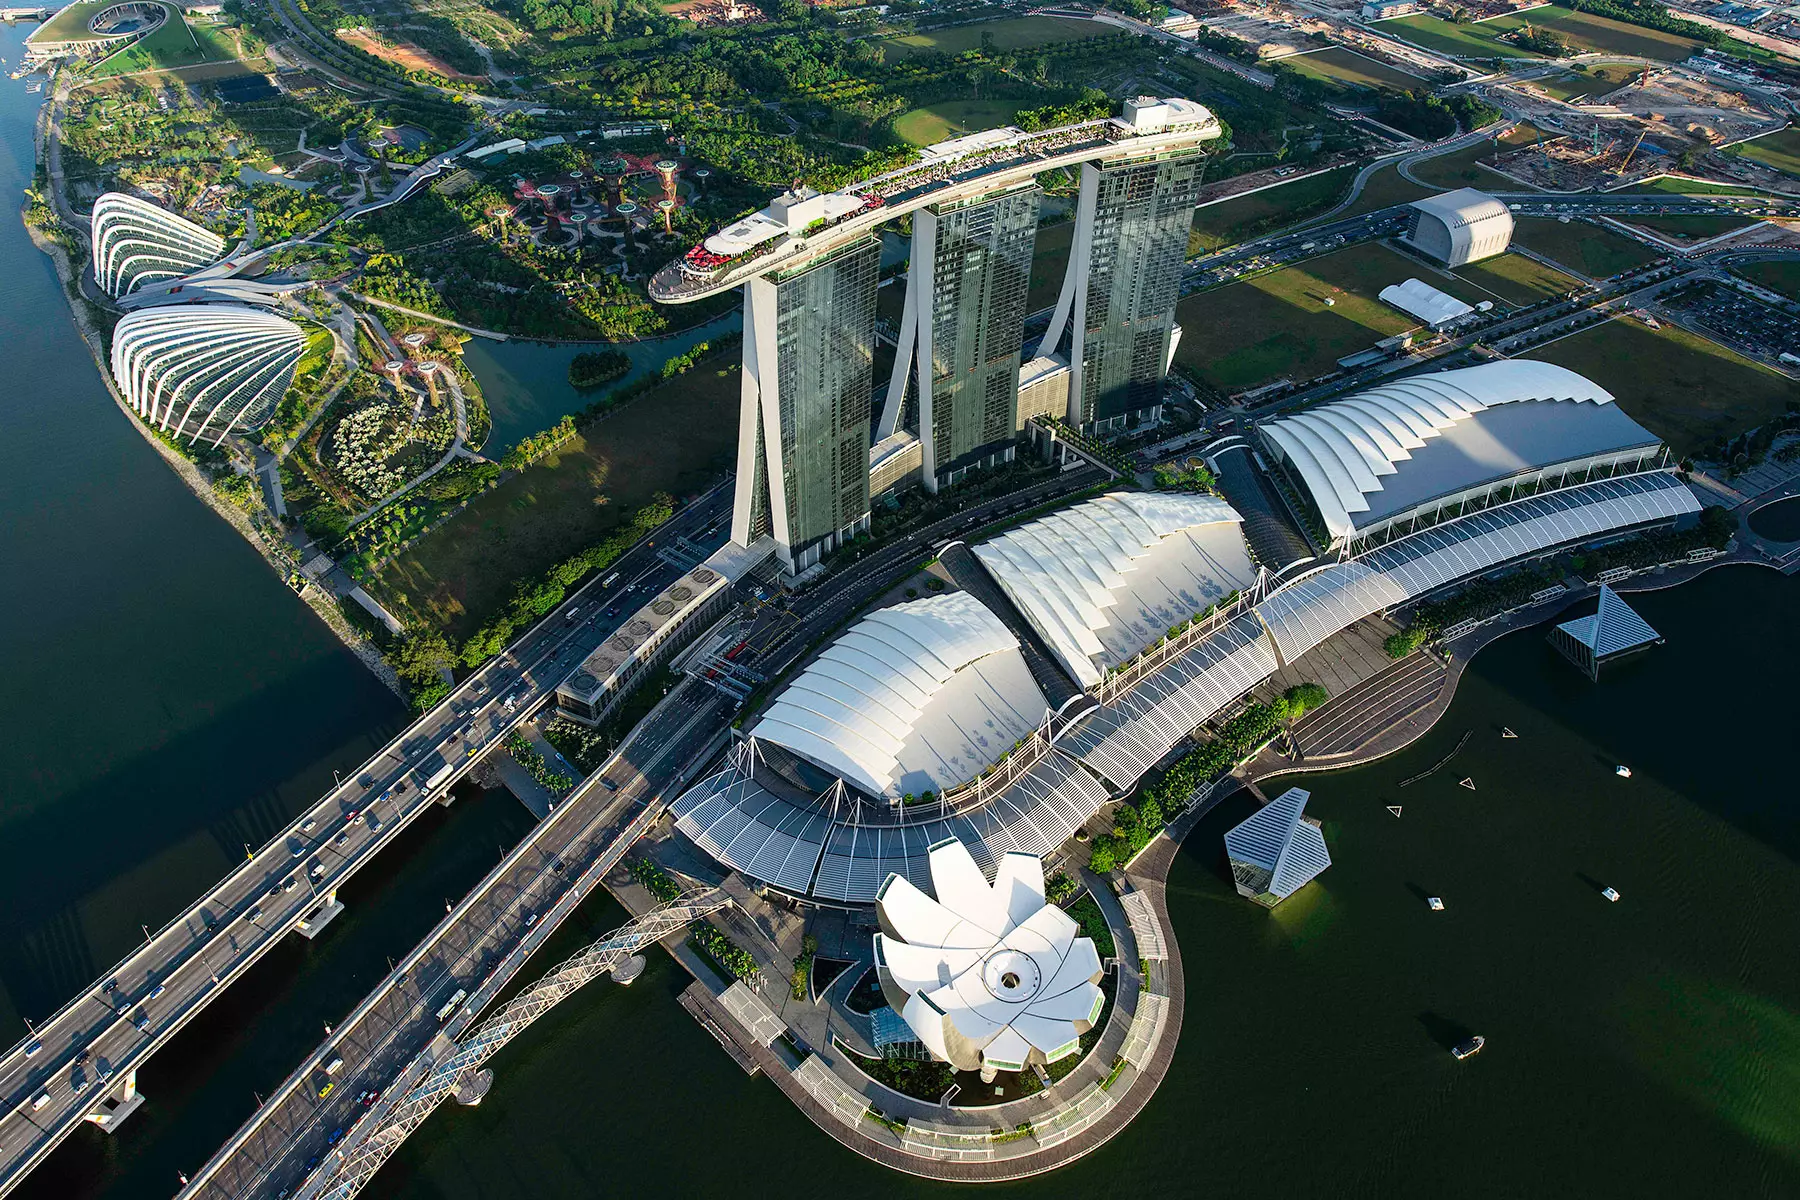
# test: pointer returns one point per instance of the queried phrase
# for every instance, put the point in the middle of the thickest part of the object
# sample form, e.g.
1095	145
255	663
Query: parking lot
1741	321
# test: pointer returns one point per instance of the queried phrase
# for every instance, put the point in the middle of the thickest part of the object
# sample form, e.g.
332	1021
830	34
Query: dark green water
1645	1048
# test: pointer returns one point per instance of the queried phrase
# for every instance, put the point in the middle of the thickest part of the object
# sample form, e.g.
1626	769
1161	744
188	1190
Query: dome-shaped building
205	370
136	242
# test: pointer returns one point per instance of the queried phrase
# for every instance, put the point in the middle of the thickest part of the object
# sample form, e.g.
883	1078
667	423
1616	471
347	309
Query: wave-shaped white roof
992	974
137	242
199	368
854	708
1343	450
1093	580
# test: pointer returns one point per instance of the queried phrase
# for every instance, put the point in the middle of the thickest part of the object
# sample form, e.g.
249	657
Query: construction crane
1634	148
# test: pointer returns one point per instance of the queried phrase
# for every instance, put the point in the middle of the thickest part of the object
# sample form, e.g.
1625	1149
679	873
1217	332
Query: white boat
1436	903
1611	894
1469	1048
1622	771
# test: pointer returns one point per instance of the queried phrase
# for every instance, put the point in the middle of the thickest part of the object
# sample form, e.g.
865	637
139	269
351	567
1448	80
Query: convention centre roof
913	698
1399	446
991	974
1102	580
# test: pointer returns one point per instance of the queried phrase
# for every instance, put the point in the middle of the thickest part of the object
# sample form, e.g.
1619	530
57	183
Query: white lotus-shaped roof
855	708
137	242
992	975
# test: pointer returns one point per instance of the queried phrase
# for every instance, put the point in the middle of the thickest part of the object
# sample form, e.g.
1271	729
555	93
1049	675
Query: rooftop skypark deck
803	224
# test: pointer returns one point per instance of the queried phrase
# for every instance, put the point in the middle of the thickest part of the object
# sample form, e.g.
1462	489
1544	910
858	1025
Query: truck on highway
443	1014
440	774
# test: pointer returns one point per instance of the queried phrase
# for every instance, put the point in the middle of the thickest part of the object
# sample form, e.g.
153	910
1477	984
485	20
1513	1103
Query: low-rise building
1278	850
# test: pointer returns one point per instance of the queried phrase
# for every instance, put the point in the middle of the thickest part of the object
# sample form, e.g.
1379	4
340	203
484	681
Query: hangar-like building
1460	227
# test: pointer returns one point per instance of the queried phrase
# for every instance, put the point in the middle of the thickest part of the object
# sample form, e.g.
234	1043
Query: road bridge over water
81	1063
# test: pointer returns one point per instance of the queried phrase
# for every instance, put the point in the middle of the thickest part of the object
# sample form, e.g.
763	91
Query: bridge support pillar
626	973
316	920
474	1088
123	1100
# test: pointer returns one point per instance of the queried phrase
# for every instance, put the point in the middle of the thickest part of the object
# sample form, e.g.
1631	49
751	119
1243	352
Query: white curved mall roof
916	697
1102	580
205	367
993	976
136	242
1348	452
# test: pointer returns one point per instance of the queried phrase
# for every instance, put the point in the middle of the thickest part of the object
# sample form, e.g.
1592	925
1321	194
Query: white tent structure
1416	298
1102	580
1277	851
991	977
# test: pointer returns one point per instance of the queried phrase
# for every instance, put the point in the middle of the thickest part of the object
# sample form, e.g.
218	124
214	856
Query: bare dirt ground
403	54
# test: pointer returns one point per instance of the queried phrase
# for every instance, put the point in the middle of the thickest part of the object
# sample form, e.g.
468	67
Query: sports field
1683	388
1250	333
674	439
1582	247
1584	31
952	118
1780	149
1017	33
1345	68
1232	221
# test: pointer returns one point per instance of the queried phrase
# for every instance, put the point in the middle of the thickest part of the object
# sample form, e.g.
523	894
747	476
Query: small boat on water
1622	771
1611	894
1468	1048
1435	903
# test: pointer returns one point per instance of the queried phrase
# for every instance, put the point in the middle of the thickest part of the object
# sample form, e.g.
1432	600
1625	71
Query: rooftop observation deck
803	225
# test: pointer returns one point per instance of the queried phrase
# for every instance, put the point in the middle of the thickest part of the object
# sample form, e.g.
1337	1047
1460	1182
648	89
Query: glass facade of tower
1141	217
981	272
810	339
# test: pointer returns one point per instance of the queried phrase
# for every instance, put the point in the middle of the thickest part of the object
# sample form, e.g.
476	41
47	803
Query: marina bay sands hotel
963	388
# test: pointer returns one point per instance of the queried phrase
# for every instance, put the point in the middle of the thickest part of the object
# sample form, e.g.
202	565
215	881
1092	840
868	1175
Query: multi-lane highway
81	1062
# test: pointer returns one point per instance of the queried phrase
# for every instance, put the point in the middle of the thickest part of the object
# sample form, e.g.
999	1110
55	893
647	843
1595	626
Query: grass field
1783	277
69	23
1246	334
1683	388
1515	279
1597	80
174	43
674	439
1780	149
1588	249
1232	221
1465	167
1584	31
1016	33
1383	189
1691	228
953	118
1693	187
1345	68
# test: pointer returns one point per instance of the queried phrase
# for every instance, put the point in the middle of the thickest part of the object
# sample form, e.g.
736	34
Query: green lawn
1345	68
1435	33
1597	80
1780	149
1584	31
1589	249
1246	334
1016	33
1683	388
1783	277
952	118
1384	189
69	23
1515	279
674	439
1693	187
1232	221
1466	167
174	43
1683	229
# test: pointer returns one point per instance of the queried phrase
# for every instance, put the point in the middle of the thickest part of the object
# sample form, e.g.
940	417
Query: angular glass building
205	370
962	330
1118	299
803	436
136	242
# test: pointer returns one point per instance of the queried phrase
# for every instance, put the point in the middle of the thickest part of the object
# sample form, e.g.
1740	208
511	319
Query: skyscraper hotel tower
809	265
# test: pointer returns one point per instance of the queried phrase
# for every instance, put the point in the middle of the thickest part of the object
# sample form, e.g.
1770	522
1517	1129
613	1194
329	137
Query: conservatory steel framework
205	370
138	243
